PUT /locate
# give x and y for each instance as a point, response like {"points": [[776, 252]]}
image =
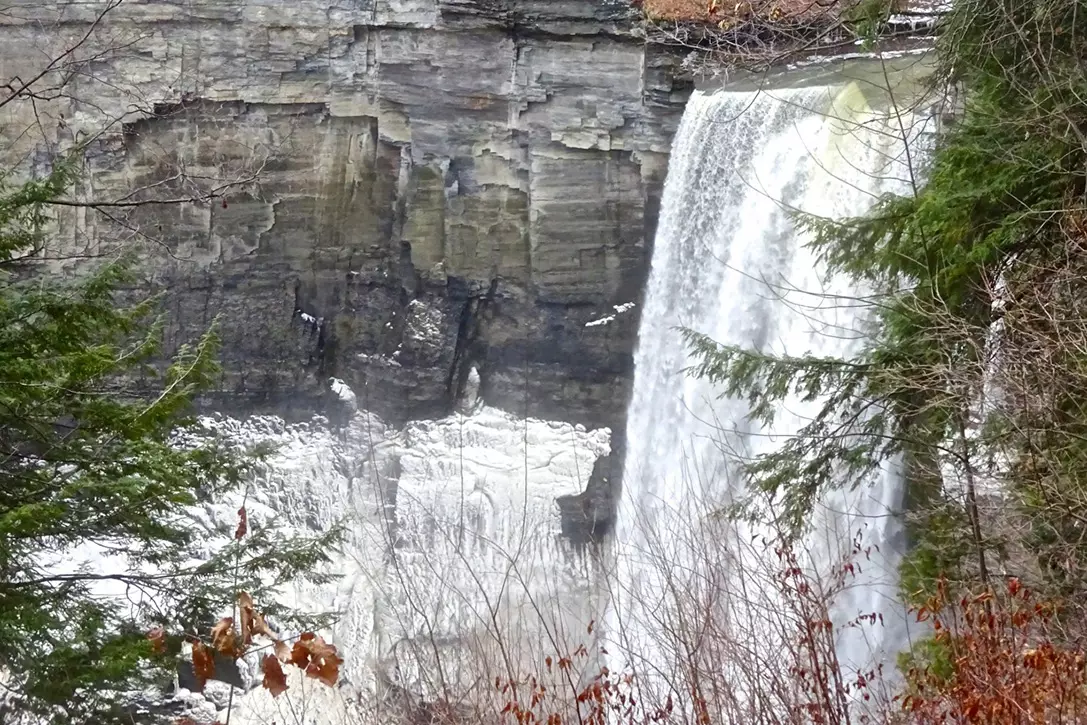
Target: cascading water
{"points": [[693, 590]]}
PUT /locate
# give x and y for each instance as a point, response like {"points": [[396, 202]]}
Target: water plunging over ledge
{"points": [[694, 593]]}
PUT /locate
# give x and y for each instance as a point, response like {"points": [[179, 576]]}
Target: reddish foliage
{"points": [[243, 517], [1005, 663], [727, 13], [545, 700], [824, 692], [203, 663], [253, 623], [815, 688], [310, 653], [318, 658], [245, 610], [157, 637], [275, 681], [282, 651], [223, 637]]}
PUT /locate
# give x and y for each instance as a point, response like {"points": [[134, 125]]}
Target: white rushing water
{"points": [[693, 592]]}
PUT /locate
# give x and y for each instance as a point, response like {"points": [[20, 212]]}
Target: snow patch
{"points": [[308, 318], [451, 539], [381, 360], [424, 322], [452, 532], [344, 392], [619, 309]]}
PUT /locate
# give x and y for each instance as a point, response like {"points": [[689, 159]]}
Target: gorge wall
{"points": [[392, 191]]}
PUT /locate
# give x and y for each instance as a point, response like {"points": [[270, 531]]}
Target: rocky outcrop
{"points": [[588, 517], [402, 189]]}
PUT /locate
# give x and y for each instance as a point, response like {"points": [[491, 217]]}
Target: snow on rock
{"points": [[381, 360], [344, 392], [469, 397], [451, 553], [424, 322], [451, 547], [308, 319], [619, 309]]}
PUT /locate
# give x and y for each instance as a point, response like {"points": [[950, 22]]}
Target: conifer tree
{"points": [[977, 358], [91, 463]]}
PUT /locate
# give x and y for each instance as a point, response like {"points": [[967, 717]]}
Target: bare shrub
{"points": [[994, 658]]}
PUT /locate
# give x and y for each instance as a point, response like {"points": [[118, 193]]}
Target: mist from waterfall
{"points": [[694, 590]]}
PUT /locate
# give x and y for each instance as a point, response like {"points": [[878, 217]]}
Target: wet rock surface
{"points": [[402, 190]]}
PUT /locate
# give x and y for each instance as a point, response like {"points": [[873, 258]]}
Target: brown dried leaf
{"points": [[223, 637], [283, 651], [243, 524], [300, 652], [157, 636], [327, 670], [261, 627], [203, 663], [245, 606], [274, 679], [318, 658]]}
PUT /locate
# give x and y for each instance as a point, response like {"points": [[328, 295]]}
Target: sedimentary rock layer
{"points": [[402, 189]]}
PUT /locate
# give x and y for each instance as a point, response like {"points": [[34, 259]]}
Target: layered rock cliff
{"points": [[402, 189]]}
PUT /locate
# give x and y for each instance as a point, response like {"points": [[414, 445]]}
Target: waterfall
{"points": [[693, 589]]}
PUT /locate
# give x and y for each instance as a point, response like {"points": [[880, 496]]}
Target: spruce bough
{"points": [[994, 235], [90, 463]]}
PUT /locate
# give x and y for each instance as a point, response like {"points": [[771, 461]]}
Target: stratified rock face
{"points": [[412, 188]]}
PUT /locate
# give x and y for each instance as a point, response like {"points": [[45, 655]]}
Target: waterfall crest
{"points": [[728, 262]]}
